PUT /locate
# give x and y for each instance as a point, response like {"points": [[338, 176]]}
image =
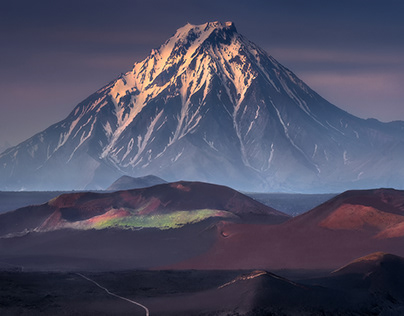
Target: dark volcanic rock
{"points": [[189, 292]]}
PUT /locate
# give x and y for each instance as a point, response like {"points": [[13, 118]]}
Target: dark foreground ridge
{"points": [[243, 258], [253, 292]]}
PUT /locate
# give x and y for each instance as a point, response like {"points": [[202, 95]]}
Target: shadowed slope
{"points": [[193, 292], [374, 281], [372, 263], [253, 293]]}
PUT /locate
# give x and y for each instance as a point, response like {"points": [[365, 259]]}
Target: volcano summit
{"points": [[209, 105]]}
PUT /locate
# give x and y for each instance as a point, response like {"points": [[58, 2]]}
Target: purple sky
{"points": [[53, 54]]}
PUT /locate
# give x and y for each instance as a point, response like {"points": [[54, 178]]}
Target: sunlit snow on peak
{"points": [[183, 62]]}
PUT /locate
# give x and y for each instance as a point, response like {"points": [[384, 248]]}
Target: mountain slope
{"points": [[376, 212], [164, 206], [132, 229], [209, 105], [369, 264], [344, 228]]}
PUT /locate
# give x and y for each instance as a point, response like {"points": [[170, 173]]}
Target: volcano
{"points": [[209, 105], [163, 206], [348, 226], [128, 229]]}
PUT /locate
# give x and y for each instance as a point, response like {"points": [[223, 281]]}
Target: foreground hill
{"points": [[192, 225], [209, 105], [374, 289], [377, 287], [162, 206], [348, 226], [372, 264], [374, 282], [140, 228]]}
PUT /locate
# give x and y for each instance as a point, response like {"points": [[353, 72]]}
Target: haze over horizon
{"points": [[55, 55]]}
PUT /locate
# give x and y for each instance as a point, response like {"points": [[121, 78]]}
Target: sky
{"points": [[53, 54]]}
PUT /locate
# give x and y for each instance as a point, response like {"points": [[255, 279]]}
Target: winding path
{"points": [[113, 294]]}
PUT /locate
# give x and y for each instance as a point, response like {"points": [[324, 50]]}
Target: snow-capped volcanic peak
{"points": [[178, 62], [184, 65], [209, 105]]}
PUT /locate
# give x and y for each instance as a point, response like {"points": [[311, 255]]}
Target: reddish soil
{"points": [[327, 237]]}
